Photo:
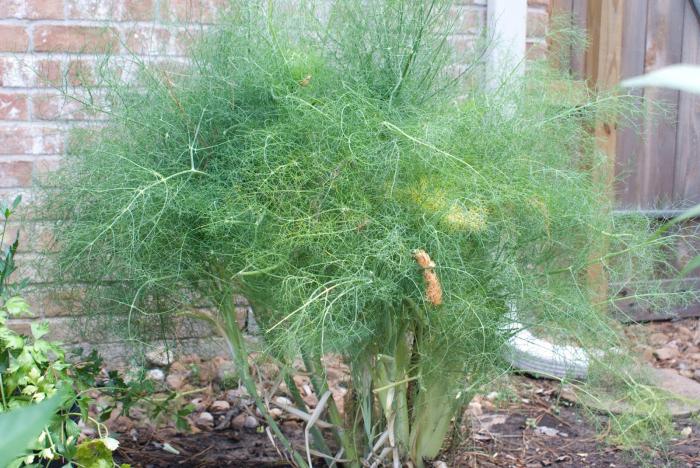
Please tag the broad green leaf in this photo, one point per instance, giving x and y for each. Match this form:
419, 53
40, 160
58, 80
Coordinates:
681, 77
94, 454
39, 329
19, 427
16, 305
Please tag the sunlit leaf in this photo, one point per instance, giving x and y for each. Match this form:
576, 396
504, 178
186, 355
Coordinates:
19, 427
681, 77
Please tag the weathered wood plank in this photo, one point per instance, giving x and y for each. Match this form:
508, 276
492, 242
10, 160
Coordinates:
603, 66
686, 189
578, 57
561, 15
629, 136
663, 47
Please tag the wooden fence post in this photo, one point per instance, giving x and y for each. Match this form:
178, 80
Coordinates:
602, 67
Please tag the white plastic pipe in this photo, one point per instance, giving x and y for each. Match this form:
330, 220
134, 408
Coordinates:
528, 353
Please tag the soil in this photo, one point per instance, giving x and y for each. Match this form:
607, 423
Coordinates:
245, 448
527, 425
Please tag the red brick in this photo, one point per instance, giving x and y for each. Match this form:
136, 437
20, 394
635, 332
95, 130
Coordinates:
23, 327
463, 45
58, 107
30, 140
13, 106
191, 11
92, 9
536, 51
48, 73
138, 10
31, 9
81, 72
469, 20
537, 21
15, 174
13, 39
149, 41
44, 166
78, 39
16, 71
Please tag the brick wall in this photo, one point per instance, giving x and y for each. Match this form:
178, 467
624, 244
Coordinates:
44, 43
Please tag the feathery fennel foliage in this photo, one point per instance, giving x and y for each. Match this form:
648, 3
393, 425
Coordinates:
302, 162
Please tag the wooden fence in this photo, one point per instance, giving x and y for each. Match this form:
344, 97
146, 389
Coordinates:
657, 159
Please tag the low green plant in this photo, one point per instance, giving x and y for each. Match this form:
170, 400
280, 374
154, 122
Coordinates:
367, 196
42, 394
21, 426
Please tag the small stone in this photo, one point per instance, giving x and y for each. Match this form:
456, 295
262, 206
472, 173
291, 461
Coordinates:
178, 368
220, 406
239, 421
226, 373
199, 404
276, 413
475, 409
122, 424
664, 354
658, 339
204, 419
492, 396
686, 432
175, 381
311, 400
155, 374
283, 401
546, 431
439, 464
250, 422
159, 356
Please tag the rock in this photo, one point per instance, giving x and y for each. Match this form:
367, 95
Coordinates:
226, 374
687, 373
311, 400
439, 464
159, 356
155, 374
204, 419
492, 396
283, 401
122, 424
658, 339
239, 421
475, 409
236, 394
292, 427
175, 381
220, 406
686, 432
664, 354
178, 368
251, 422
546, 431
276, 413
199, 404
696, 374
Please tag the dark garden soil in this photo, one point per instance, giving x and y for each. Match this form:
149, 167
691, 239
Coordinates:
527, 424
